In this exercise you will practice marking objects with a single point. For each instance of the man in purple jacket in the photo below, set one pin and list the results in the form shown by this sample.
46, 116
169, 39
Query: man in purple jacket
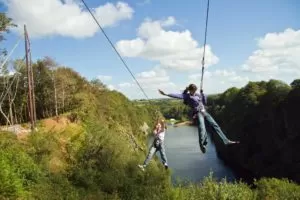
197, 102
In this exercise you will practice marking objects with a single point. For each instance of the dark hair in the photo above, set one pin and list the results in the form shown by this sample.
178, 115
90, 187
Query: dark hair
192, 87
189, 88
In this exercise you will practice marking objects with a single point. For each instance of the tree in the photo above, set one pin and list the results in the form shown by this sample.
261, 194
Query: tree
98, 83
5, 24
228, 96
52, 67
295, 83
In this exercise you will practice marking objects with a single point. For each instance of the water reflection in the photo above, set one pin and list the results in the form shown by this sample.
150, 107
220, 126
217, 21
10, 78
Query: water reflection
187, 161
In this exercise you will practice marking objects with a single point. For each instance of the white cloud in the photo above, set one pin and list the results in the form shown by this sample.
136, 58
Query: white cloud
278, 54
168, 22
197, 77
150, 81
173, 49
111, 87
54, 17
104, 78
154, 79
288, 38
224, 73
125, 85
219, 80
239, 79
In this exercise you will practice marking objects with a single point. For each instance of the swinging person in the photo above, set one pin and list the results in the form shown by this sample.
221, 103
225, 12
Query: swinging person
197, 103
157, 145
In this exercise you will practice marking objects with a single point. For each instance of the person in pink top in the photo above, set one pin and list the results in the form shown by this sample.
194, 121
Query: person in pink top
157, 145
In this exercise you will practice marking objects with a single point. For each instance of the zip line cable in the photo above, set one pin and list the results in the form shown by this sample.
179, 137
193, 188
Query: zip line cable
123, 61
10, 53
203, 56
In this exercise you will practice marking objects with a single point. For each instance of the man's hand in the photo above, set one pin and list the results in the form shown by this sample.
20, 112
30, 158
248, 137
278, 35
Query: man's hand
161, 92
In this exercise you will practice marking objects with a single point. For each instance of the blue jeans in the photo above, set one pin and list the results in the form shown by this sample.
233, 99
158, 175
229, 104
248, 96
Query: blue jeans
202, 130
153, 150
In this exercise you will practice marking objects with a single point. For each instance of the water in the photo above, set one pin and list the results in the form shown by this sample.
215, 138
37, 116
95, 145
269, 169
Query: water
186, 160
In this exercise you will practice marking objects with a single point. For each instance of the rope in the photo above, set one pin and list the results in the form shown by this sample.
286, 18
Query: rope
115, 49
10, 53
203, 56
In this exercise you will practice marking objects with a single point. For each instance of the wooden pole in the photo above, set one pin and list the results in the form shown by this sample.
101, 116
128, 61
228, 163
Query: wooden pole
31, 116
32, 81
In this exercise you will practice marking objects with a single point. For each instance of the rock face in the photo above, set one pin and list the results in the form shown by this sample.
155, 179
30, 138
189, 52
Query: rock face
270, 139
144, 128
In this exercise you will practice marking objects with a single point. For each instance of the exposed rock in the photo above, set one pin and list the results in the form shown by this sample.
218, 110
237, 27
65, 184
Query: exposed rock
144, 128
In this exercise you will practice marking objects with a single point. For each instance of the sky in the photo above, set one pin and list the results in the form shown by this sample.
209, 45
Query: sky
162, 41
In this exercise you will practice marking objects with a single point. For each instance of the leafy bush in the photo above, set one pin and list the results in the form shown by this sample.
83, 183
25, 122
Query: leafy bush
272, 188
18, 170
210, 189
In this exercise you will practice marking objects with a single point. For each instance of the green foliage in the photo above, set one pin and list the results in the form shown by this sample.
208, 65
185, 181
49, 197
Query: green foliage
107, 163
229, 95
11, 185
54, 186
43, 145
210, 189
5, 25
273, 188
295, 83
262, 116
18, 170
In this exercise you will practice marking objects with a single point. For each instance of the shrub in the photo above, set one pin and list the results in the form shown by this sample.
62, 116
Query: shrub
272, 188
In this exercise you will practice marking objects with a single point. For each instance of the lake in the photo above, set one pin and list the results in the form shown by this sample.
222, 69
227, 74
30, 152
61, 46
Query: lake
186, 160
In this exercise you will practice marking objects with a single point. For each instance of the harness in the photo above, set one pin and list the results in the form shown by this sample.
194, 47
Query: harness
157, 143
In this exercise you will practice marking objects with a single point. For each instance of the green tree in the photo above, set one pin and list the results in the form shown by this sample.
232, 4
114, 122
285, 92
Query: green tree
5, 24
98, 83
295, 83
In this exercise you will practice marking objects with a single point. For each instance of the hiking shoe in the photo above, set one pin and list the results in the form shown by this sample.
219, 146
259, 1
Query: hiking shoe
166, 167
142, 167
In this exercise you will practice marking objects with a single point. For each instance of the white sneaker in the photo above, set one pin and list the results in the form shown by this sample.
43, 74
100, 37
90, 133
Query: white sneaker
142, 167
166, 166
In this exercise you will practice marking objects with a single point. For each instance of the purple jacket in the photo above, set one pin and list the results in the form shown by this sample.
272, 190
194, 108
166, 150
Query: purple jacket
197, 101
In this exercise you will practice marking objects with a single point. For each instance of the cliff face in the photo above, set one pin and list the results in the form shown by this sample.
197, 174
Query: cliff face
269, 135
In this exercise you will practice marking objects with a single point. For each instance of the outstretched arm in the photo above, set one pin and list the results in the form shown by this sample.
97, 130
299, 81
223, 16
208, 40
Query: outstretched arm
178, 96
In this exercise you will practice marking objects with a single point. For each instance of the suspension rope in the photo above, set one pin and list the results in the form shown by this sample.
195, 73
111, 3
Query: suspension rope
203, 56
10, 53
123, 61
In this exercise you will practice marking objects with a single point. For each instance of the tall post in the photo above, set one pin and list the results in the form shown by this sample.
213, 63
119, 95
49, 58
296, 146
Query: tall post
32, 81
29, 80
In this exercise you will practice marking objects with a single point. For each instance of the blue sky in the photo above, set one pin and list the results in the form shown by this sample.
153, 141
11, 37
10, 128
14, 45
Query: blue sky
162, 41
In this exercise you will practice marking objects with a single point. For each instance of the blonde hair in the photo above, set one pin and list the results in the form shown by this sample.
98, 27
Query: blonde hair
162, 123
